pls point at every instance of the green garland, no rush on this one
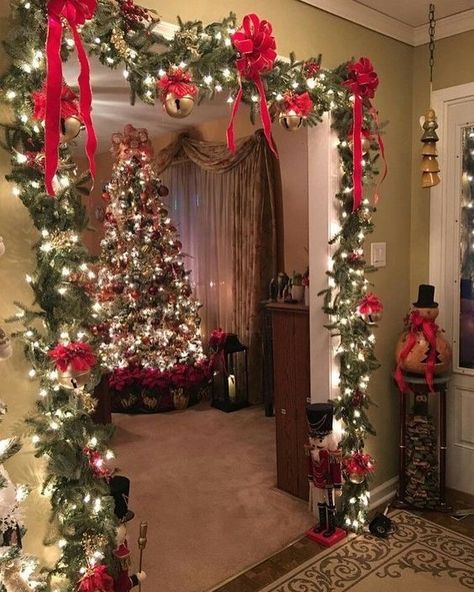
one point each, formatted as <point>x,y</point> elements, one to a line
<point>82,522</point>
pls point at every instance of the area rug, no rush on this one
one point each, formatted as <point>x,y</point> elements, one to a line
<point>420,557</point>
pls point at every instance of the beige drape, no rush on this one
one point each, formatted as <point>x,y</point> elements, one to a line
<point>252,182</point>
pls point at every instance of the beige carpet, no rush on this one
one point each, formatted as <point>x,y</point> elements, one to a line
<point>420,557</point>
<point>204,480</point>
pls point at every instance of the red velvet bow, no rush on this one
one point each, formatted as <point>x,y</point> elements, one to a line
<point>300,104</point>
<point>97,579</point>
<point>69,105</point>
<point>370,304</point>
<point>359,463</point>
<point>362,81</point>
<point>256,47</point>
<point>77,354</point>
<point>96,462</point>
<point>75,13</point>
<point>132,142</point>
<point>417,324</point>
<point>177,81</point>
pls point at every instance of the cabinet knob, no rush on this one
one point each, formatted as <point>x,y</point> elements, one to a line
<point>283,411</point>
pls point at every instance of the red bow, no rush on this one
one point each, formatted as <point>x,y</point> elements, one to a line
<point>300,104</point>
<point>417,324</point>
<point>96,463</point>
<point>362,82</point>
<point>75,13</point>
<point>177,81</point>
<point>359,463</point>
<point>370,304</point>
<point>256,47</point>
<point>97,579</point>
<point>132,142</point>
<point>69,106</point>
<point>77,354</point>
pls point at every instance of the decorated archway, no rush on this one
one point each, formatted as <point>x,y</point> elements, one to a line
<point>240,60</point>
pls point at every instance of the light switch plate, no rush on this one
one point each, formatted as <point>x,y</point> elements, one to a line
<point>378,254</point>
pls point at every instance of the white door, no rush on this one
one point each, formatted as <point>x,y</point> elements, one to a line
<point>452,272</point>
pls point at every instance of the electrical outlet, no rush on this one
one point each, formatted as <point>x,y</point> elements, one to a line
<point>378,254</point>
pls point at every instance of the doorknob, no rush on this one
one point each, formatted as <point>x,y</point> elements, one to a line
<point>283,411</point>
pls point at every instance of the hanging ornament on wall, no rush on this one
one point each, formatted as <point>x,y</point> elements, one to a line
<point>294,109</point>
<point>178,92</point>
<point>6,350</point>
<point>429,166</point>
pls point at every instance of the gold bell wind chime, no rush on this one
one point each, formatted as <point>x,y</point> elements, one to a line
<point>430,166</point>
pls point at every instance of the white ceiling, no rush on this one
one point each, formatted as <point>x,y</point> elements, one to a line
<point>112,109</point>
<point>415,12</point>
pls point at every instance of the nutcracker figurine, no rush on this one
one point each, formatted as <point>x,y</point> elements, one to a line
<point>324,474</point>
<point>123,582</point>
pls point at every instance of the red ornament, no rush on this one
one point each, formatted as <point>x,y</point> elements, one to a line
<point>311,68</point>
<point>75,13</point>
<point>76,353</point>
<point>359,463</point>
<point>370,305</point>
<point>133,14</point>
<point>96,463</point>
<point>256,47</point>
<point>357,399</point>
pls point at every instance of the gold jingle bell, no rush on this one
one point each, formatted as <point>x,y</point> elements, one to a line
<point>72,379</point>
<point>70,128</point>
<point>429,180</point>
<point>178,107</point>
<point>290,121</point>
<point>356,478</point>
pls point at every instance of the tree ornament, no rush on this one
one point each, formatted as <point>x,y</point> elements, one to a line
<point>132,143</point>
<point>74,362</point>
<point>311,68</point>
<point>294,109</point>
<point>74,13</point>
<point>422,349</point>
<point>118,41</point>
<point>256,48</point>
<point>357,466</point>
<point>6,350</point>
<point>177,92</point>
<point>429,166</point>
<point>370,308</point>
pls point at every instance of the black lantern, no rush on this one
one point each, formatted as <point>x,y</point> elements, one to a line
<point>230,382</point>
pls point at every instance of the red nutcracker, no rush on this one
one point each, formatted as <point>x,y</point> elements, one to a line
<point>123,581</point>
<point>324,472</point>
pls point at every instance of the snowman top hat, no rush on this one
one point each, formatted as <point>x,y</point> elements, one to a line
<point>426,297</point>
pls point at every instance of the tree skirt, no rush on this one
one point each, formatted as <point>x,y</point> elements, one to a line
<point>421,556</point>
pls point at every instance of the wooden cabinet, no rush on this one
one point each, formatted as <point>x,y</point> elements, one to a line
<point>291,391</point>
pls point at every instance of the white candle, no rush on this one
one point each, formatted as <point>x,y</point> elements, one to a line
<point>231,386</point>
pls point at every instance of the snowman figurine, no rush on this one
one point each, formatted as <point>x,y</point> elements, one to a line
<point>123,581</point>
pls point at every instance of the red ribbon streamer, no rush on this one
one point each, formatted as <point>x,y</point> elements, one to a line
<point>257,50</point>
<point>75,13</point>
<point>362,81</point>
<point>429,329</point>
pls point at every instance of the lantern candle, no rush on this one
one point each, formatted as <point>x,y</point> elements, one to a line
<point>231,386</point>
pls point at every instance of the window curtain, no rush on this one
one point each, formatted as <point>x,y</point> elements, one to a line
<point>227,209</point>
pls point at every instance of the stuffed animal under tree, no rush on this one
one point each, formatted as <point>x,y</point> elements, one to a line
<point>324,466</point>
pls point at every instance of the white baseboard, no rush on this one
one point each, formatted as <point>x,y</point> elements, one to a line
<point>383,493</point>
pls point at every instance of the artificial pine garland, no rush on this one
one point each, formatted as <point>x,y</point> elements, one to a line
<point>83,524</point>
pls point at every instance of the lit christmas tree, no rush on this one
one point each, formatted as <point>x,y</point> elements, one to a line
<point>16,569</point>
<point>145,310</point>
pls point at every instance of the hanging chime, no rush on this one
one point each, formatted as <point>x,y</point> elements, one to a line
<point>429,165</point>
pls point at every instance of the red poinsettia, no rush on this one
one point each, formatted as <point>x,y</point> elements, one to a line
<point>370,304</point>
<point>96,579</point>
<point>125,377</point>
<point>297,103</point>
<point>177,81</point>
<point>359,463</point>
<point>77,354</point>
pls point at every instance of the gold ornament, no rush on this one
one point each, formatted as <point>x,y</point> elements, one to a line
<point>72,379</point>
<point>86,401</point>
<point>429,166</point>
<point>70,128</point>
<point>118,41</point>
<point>356,478</point>
<point>178,107</point>
<point>290,121</point>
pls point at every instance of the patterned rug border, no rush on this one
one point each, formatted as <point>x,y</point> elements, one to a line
<point>348,540</point>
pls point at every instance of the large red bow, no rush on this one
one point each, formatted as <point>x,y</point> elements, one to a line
<point>256,47</point>
<point>299,103</point>
<point>97,579</point>
<point>75,13</point>
<point>362,81</point>
<point>69,105</point>
<point>177,81</point>
<point>133,142</point>
<point>417,324</point>
<point>370,304</point>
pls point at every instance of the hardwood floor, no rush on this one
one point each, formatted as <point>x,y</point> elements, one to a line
<point>276,566</point>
